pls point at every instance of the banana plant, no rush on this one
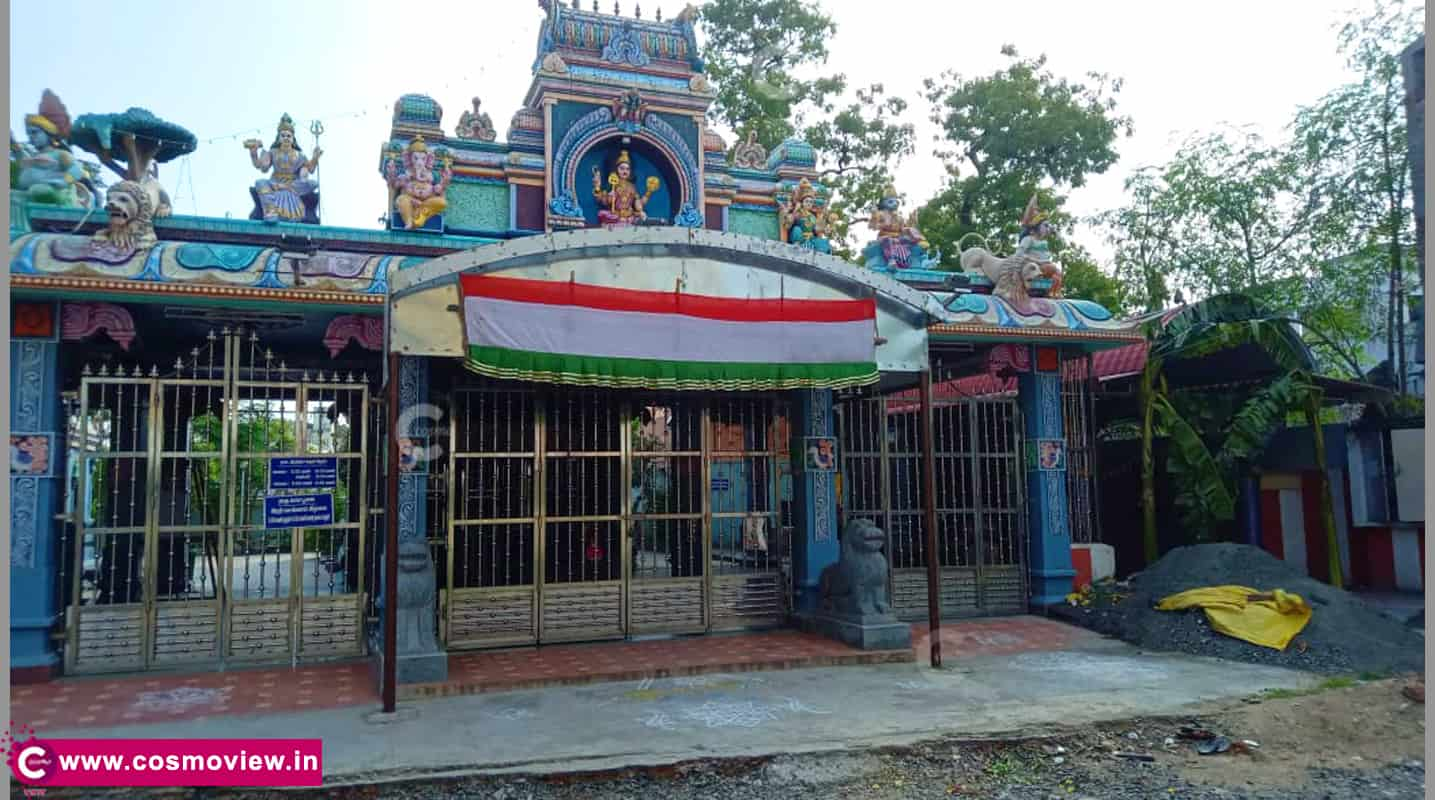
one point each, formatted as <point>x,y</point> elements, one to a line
<point>1206,475</point>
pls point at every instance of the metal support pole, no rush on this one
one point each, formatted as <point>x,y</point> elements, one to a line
<point>391,540</point>
<point>929,505</point>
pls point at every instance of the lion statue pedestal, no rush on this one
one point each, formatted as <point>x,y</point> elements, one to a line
<point>418,656</point>
<point>856,609</point>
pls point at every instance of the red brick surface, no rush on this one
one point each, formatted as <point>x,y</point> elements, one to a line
<point>101,701</point>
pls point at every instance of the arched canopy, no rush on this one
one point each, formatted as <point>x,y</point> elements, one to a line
<point>788,317</point>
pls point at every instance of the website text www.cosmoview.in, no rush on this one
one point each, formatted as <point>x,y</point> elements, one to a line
<point>168,762</point>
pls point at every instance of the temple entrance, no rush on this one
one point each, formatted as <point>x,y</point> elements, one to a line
<point>981,523</point>
<point>584,514</point>
<point>178,553</point>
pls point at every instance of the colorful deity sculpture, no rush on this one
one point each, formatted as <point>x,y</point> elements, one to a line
<point>288,193</point>
<point>1033,245</point>
<point>623,204</point>
<point>803,223</point>
<point>475,125</point>
<point>899,244</point>
<point>418,180</point>
<point>46,169</point>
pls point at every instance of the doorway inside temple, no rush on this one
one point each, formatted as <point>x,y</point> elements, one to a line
<point>583,514</point>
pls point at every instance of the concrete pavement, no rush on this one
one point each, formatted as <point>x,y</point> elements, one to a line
<point>668,720</point>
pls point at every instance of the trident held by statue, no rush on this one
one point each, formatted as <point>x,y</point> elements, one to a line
<point>316,127</point>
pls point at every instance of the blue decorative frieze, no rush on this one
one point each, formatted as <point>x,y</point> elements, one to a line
<point>638,78</point>
<point>626,47</point>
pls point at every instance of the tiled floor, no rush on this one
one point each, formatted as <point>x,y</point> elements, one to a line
<point>998,636</point>
<point>135,699</point>
<point>102,701</point>
<point>583,663</point>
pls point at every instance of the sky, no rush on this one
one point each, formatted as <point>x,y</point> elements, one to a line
<point>227,71</point>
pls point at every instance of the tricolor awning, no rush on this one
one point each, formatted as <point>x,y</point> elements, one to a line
<point>577,333</point>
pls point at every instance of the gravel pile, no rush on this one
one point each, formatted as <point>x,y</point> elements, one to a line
<point>1345,635</point>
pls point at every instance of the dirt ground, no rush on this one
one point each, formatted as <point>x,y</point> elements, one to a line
<point>1364,725</point>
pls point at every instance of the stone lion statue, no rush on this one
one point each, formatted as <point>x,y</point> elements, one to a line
<point>857,584</point>
<point>133,208</point>
<point>1012,275</point>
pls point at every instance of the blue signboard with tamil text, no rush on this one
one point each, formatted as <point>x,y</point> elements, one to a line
<point>303,472</point>
<point>298,511</point>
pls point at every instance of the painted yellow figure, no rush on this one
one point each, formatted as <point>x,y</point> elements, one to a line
<point>624,204</point>
<point>419,178</point>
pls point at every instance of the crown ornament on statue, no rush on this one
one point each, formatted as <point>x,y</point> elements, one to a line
<point>623,158</point>
<point>417,145</point>
<point>803,191</point>
<point>52,118</point>
<point>1032,216</point>
<point>286,123</point>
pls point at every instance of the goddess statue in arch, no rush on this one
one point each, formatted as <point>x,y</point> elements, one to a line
<point>283,195</point>
<point>623,204</point>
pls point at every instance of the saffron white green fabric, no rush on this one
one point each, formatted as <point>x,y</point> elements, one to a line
<point>573,333</point>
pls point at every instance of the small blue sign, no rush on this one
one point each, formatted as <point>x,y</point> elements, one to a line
<point>721,484</point>
<point>298,511</point>
<point>303,472</point>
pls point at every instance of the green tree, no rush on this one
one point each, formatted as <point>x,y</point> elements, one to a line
<point>1083,278</point>
<point>1306,225</point>
<point>754,51</point>
<point>858,147</point>
<point>1142,240</point>
<point>757,52</point>
<point>1014,132</point>
<point>1363,125</point>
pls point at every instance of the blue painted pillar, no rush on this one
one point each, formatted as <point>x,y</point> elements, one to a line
<point>1039,392</point>
<point>814,543</point>
<point>419,659</point>
<point>35,498</point>
<point>413,482</point>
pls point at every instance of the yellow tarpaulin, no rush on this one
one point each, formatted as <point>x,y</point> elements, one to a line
<point>1270,619</point>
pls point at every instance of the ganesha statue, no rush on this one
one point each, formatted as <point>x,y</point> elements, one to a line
<point>803,223</point>
<point>45,169</point>
<point>621,203</point>
<point>899,244</point>
<point>418,180</point>
<point>288,194</point>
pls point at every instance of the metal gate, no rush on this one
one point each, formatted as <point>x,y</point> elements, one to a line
<point>749,438</point>
<point>668,513</point>
<point>586,514</point>
<point>492,595</point>
<point>981,525</point>
<point>1077,411</point>
<point>171,562</point>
